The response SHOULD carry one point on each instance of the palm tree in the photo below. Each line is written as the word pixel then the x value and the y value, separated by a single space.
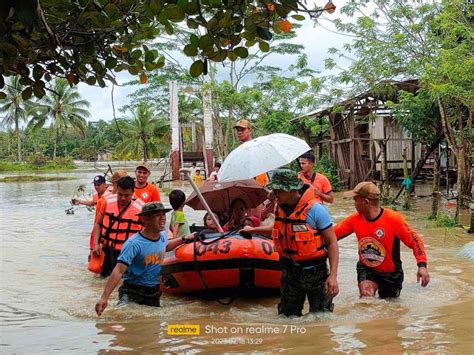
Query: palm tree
pixel 16 109
pixel 145 135
pixel 64 109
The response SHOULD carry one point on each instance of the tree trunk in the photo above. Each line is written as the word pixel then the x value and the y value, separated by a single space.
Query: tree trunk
pixel 436 192
pixel 422 161
pixel 459 183
pixel 55 144
pixel 18 140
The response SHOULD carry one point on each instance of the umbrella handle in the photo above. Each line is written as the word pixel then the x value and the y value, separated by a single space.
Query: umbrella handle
pixel 201 198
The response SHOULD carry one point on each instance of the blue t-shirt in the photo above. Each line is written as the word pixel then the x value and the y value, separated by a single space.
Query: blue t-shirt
pixel 318 217
pixel 143 257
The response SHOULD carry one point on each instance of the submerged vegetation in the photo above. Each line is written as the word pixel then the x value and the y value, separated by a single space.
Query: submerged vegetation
pixel 34 178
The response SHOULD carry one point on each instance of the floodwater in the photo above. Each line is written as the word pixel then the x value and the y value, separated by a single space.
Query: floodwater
pixel 47 295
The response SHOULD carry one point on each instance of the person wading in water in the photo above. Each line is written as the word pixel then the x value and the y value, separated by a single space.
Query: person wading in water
pixel 140 261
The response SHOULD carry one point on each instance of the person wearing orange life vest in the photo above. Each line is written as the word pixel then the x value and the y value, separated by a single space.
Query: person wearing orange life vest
pixel 145 191
pixel 321 186
pixel 304 238
pixel 379 232
pixel 102 191
pixel 117 221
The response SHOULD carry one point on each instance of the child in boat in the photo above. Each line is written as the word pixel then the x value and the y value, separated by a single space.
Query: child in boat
pixel 179 226
pixel 209 222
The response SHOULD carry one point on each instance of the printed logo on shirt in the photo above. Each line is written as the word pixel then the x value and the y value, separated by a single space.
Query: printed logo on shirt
pixel 144 195
pixel 153 259
pixel 379 233
pixel 371 252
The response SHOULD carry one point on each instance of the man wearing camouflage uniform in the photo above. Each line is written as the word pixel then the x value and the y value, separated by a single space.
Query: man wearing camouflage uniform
pixel 304 237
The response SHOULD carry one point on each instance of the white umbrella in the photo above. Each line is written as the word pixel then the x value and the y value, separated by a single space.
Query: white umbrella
pixel 260 155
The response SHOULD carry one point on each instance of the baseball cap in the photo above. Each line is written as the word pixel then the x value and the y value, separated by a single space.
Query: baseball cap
pixel 144 165
pixel 364 189
pixel 152 207
pixel 99 179
pixel 284 179
pixel 243 124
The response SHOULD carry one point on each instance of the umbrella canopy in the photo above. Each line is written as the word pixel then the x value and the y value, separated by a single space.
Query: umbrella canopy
pixel 261 155
pixel 219 195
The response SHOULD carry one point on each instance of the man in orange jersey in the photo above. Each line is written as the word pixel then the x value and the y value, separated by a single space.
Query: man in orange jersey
pixel 320 183
pixel 379 231
pixel 143 190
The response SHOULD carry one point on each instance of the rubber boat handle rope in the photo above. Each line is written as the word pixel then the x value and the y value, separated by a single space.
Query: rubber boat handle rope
pixel 201 198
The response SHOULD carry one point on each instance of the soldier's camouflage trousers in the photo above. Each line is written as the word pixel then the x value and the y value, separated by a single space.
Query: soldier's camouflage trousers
pixel 297 283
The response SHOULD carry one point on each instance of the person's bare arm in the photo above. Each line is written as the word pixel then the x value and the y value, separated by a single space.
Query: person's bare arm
pixel 97 228
pixel 332 287
pixel 174 243
pixel 110 286
pixel 77 201
pixel 262 230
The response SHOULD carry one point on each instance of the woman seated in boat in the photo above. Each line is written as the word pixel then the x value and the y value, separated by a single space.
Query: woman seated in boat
pixel 238 213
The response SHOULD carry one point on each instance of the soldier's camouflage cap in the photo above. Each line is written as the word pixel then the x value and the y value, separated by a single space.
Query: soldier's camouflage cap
pixel 284 179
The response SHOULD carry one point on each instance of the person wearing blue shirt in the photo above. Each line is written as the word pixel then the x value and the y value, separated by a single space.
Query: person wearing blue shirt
pixel 140 261
pixel 304 238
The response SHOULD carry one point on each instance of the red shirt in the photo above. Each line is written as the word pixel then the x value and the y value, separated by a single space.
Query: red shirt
pixel 148 193
pixel 319 181
pixel 379 239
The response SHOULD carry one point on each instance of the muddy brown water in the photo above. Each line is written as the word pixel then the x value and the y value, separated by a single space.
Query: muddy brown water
pixel 47 295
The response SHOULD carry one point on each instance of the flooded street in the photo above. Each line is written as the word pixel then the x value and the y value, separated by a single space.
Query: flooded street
pixel 47 295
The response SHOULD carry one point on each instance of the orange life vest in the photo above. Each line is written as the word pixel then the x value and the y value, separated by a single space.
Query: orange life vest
pixel 118 226
pixel 294 238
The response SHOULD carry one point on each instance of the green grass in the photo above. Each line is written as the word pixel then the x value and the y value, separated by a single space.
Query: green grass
pixel 49 165
pixel 443 220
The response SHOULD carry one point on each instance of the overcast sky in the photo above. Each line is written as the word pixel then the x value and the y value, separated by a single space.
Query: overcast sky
pixel 316 39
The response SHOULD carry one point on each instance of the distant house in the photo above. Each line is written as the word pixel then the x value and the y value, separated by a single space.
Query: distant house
pixel 360 128
pixel 104 156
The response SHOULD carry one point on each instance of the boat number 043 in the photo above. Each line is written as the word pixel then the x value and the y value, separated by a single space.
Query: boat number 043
pixel 223 247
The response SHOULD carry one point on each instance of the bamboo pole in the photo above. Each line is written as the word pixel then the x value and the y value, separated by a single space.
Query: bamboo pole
pixel 201 198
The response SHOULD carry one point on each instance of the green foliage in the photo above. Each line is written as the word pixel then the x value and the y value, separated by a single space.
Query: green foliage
pixel 444 220
pixel 34 178
pixel 64 109
pixel 390 41
pixel 36 164
pixel 89 40
pixel 16 107
pixel 328 167
pixel 145 135
pixel 418 114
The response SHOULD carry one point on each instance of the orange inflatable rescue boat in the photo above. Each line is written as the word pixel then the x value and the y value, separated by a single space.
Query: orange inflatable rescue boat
pixel 216 261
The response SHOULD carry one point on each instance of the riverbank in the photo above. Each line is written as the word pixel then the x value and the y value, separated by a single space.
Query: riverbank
pixel 34 178
pixel 62 165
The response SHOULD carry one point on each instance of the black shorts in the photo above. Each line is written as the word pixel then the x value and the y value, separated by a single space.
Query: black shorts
pixel 149 296
pixel 389 283
pixel 110 260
